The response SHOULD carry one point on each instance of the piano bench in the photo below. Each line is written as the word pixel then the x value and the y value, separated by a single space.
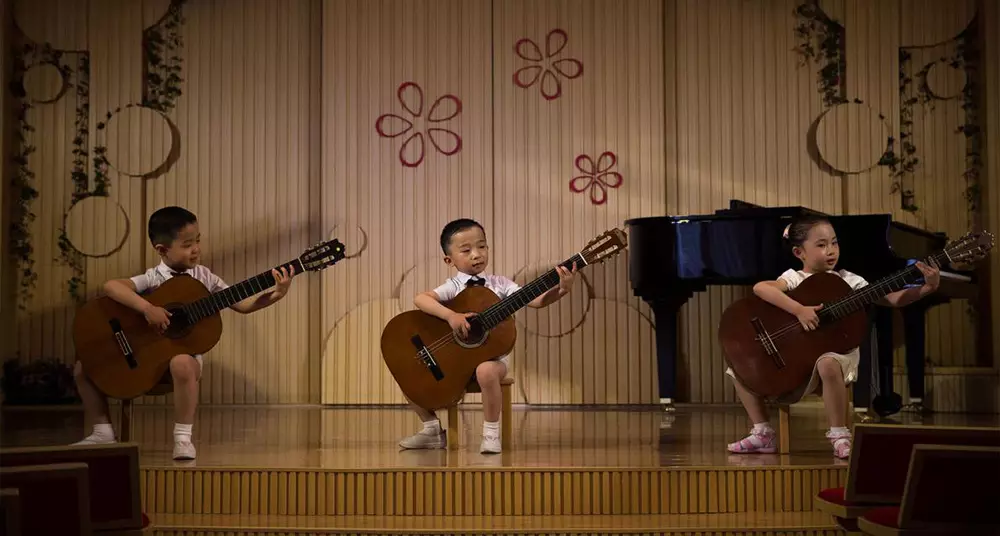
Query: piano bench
pixel 785 430
pixel 506 415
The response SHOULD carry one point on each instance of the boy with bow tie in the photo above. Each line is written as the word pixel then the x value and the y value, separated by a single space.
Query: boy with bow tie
pixel 174 234
pixel 465 247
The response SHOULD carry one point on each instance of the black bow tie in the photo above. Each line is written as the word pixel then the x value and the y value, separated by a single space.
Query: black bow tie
pixel 175 274
pixel 475 282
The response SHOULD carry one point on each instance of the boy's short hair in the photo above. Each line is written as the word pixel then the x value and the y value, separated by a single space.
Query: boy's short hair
pixel 165 223
pixel 456 226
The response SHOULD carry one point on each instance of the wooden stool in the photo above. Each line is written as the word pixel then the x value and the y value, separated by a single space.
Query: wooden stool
pixel 785 431
pixel 506 427
pixel 125 412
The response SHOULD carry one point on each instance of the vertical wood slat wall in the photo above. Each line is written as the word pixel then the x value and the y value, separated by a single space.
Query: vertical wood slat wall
pixel 701 102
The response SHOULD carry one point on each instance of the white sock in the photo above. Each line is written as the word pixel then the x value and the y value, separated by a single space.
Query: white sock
pixel 104 430
pixel 762 427
pixel 839 430
pixel 432 427
pixel 182 432
pixel 491 428
pixel 916 400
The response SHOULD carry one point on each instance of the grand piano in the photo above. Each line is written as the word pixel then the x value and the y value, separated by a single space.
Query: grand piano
pixel 672 257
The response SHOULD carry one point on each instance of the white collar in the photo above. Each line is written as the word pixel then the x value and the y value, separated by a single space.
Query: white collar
pixel 168 272
pixel 463 278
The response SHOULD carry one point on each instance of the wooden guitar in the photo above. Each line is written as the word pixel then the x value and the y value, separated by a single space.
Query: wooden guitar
pixel 432 365
pixel 125 357
pixel 772 355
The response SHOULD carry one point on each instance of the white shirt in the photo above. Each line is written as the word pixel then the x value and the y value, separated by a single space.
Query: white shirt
pixel 500 285
pixel 794 278
pixel 156 276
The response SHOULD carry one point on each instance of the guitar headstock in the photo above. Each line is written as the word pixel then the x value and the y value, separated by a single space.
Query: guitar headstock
pixel 604 246
pixel 969 248
pixel 322 255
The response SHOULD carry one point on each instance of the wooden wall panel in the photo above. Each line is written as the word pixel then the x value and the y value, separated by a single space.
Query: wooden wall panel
pixel 991 146
pixel 701 102
pixel 370 50
pixel 542 135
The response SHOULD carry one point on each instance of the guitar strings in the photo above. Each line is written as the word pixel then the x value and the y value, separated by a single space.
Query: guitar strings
pixel 492 313
pixel 858 297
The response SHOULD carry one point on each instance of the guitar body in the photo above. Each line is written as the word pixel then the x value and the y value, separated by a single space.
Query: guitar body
pixel 456 360
pixel 798 350
pixel 103 354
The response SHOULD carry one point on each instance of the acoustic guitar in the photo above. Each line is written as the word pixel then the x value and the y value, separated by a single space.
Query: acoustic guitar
pixel 433 365
pixel 770 352
pixel 125 357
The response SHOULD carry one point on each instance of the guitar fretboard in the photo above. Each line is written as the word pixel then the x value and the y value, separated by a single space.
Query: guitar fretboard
pixel 234 294
pixel 499 311
pixel 863 297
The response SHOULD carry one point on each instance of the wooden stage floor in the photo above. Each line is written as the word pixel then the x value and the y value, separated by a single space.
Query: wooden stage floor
pixel 300 437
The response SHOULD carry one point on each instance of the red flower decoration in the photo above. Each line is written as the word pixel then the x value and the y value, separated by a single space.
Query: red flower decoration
pixel 445 108
pixel 597 177
pixel 546 68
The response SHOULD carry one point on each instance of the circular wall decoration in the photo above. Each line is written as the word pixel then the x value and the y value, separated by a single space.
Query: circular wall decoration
pixel 851 137
pixel 561 317
pixel 354 238
pixel 426 275
pixel 44 83
pixel 96 226
pixel 944 81
pixel 63 31
pixel 925 24
pixel 140 141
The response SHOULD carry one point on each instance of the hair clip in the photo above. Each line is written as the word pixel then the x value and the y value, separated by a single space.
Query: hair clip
pixel 785 234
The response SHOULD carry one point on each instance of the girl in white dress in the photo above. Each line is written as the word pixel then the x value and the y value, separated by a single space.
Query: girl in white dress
pixel 814 242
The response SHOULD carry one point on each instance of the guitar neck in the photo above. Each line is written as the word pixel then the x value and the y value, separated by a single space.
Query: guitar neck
pixel 234 294
pixel 506 307
pixel 863 297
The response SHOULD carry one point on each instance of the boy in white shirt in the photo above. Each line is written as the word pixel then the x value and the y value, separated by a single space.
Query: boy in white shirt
pixel 464 244
pixel 174 234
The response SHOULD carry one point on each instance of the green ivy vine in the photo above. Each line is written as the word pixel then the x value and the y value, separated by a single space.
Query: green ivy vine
pixel 23 178
pixel 69 256
pixel 821 40
pixel 162 43
pixel 967 58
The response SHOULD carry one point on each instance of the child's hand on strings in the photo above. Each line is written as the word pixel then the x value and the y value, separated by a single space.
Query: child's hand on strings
pixel 807 316
pixel 932 275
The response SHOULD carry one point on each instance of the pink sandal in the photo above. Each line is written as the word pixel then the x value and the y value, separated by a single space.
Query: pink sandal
pixel 756 442
pixel 841 444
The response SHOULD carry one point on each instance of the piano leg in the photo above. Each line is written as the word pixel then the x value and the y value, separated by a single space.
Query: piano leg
pixel 665 314
pixel 887 402
pixel 914 326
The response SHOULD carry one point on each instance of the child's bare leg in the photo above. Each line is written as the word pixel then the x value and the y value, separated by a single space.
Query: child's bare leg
pixel 835 401
pixel 762 438
pixel 752 403
pixel 834 391
pixel 185 372
pixel 431 436
pixel 488 375
pixel 95 408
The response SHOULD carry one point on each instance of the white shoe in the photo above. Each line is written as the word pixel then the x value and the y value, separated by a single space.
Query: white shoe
pixel 424 440
pixel 491 443
pixel 183 450
pixel 96 439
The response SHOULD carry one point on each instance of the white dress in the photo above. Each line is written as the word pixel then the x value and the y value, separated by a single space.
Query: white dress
pixel 848 362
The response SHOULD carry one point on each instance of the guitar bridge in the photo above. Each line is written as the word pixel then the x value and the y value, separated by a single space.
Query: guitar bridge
pixel 427 358
pixel 764 338
pixel 123 345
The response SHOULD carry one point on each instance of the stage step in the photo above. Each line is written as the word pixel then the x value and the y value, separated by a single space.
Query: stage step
pixel 483 491
pixel 771 523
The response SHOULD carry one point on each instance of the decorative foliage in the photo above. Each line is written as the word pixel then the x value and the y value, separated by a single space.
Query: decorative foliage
pixel 411 97
pixel 161 44
pixel 23 178
pixel 547 68
pixel 821 40
pixel 968 58
pixel 596 177
pixel 42 381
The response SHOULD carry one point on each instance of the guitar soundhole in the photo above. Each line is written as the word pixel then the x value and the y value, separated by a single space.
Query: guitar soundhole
pixel 477 335
pixel 180 323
